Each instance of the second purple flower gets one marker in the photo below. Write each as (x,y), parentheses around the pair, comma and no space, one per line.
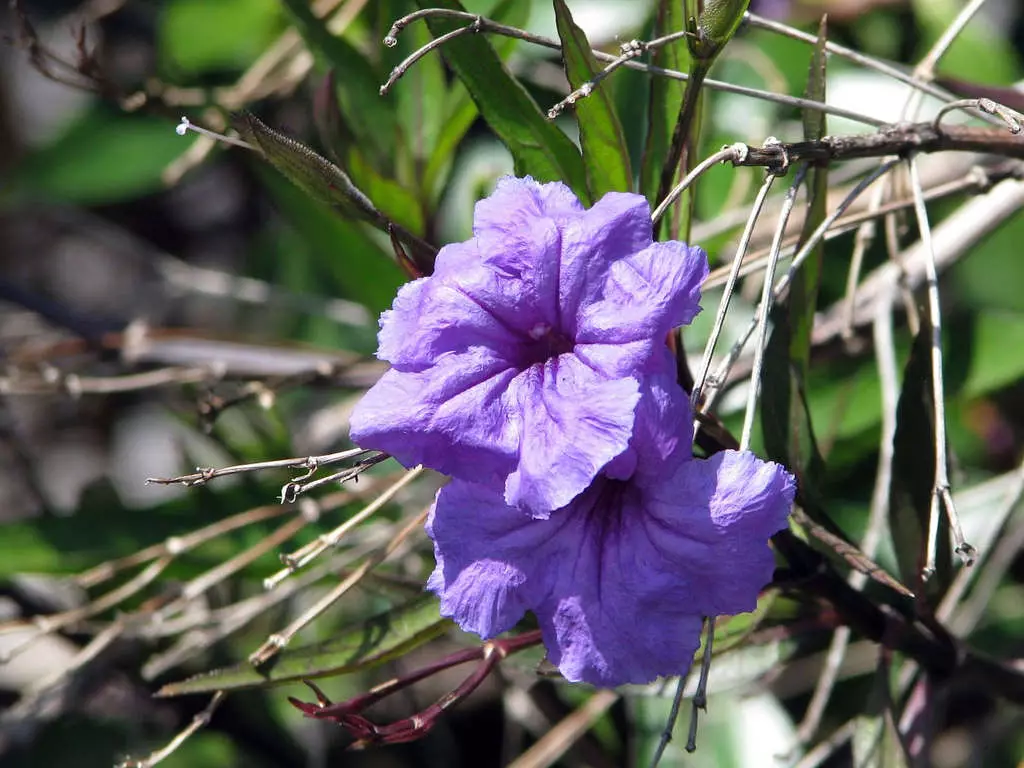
(518,364)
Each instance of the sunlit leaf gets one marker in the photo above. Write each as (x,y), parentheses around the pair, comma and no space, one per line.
(460,109)
(539,147)
(605,154)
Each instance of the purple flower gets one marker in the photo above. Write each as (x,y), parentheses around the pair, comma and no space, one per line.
(620,578)
(518,364)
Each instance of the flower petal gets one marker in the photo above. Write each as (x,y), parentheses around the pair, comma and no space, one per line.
(456,417)
(714,518)
(515,202)
(486,574)
(618,225)
(574,422)
(432,316)
(604,622)
(646,295)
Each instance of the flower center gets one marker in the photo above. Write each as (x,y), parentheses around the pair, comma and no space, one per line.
(545,343)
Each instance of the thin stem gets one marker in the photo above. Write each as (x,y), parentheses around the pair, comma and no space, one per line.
(203,475)
(954,237)
(556,741)
(900,140)
(199,721)
(723,155)
(766,307)
(700,696)
(730,285)
(306,554)
(783,284)
(862,241)
(670,724)
(629,51)
(1011,118)
(490,27)
(925,69)
(279,640)
(940,491)
(419,53)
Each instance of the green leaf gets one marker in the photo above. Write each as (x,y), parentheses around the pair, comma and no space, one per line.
(788,431)
(785,419)
(325,182)
(395,200)
(371,119)
(720,19)
(803,297)
(357,266)
(538,147)
(605,155)
(460,109)
(666,97)
(377,640)
(104,157)
(199,35)
(913,472)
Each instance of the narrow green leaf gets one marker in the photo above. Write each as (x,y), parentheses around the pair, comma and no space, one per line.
(785,419)
(666,97)
(914,473)
(460,109)
(370,643)
(372,119)
(395,200)
(322,180)
(789,435)
(803,297)
(605,154)
(538,147)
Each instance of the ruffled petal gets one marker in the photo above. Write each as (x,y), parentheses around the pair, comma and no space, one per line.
(618,225)
(662,430)
(432,316)
(574,422)
(714,518)
(604,619)
(646,295)
(491,559)
(516,202)
(456,417)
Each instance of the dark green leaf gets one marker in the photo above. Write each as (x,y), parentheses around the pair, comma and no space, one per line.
(357,266)
(788,432)
(666,97)
(803,296)
(372,642)
(538,147)
(605,154)
(914,472)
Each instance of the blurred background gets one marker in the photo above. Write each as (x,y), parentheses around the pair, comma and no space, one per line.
(166,303)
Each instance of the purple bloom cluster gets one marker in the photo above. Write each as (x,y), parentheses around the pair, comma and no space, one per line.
(532,368)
